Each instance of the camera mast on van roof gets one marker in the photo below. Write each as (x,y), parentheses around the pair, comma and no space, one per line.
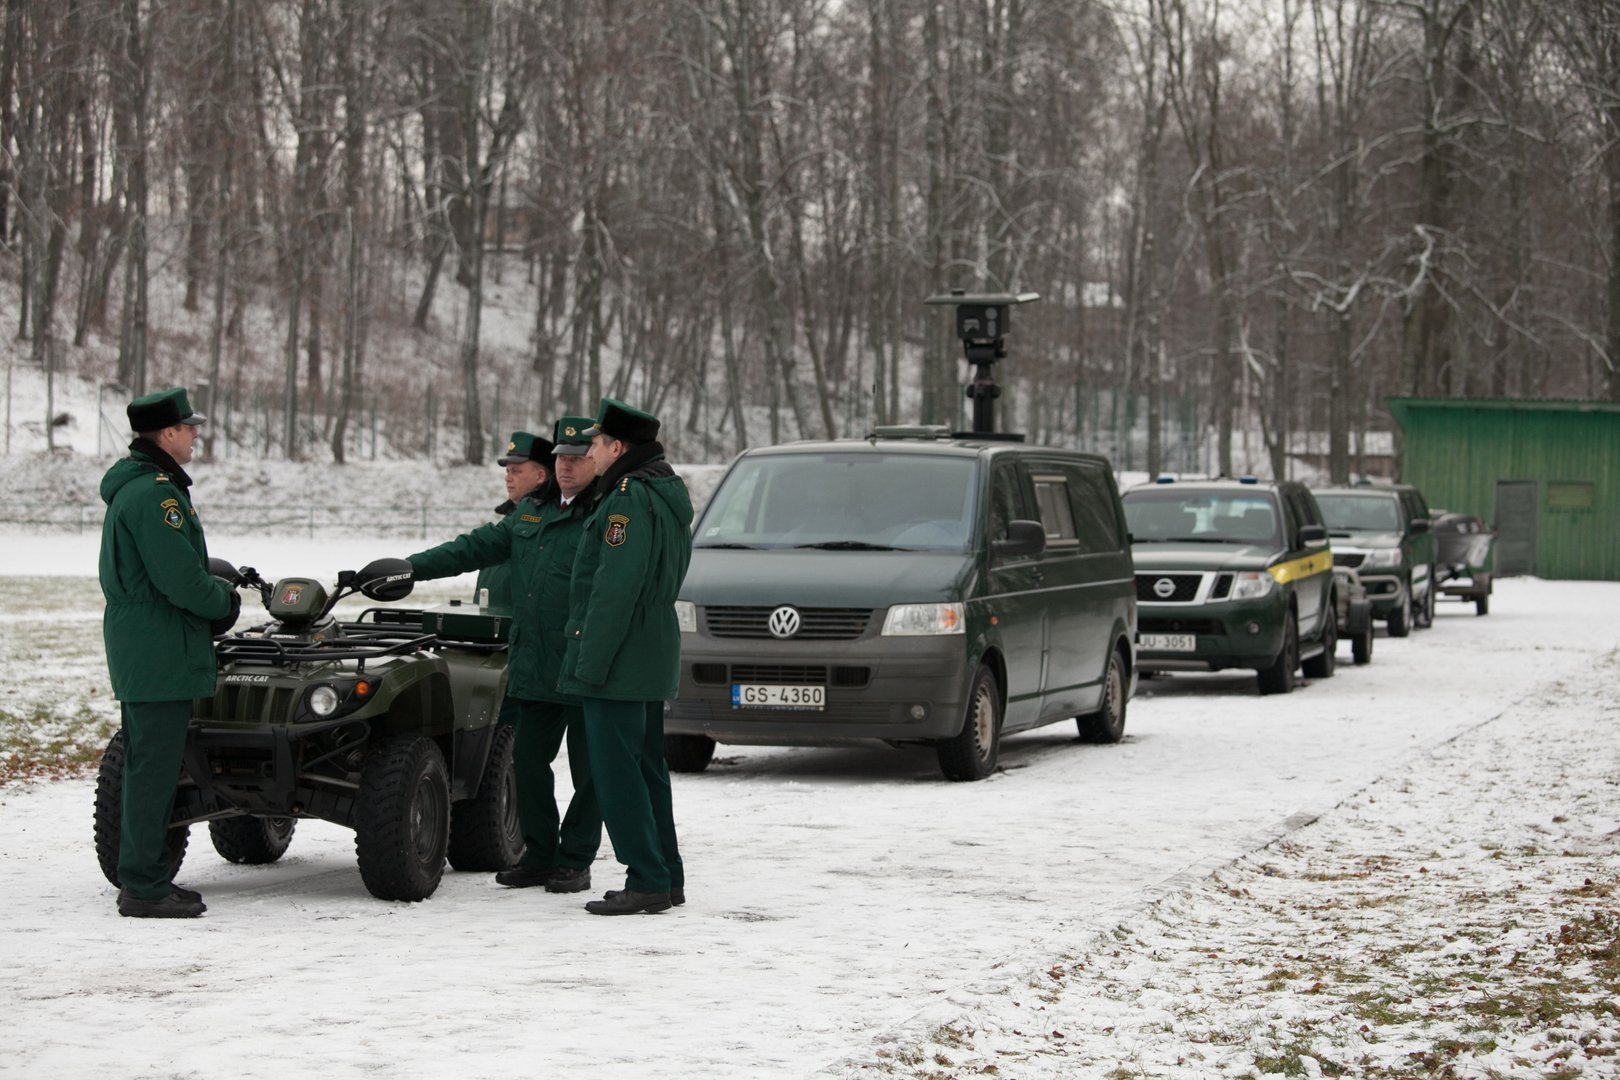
(982,324)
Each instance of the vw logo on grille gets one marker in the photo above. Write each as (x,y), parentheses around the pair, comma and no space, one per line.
(1164,588)
(784,622)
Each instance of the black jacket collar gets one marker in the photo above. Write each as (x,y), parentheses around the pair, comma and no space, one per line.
(637,459)
(150,450)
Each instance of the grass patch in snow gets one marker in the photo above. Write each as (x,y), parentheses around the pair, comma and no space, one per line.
(42,744)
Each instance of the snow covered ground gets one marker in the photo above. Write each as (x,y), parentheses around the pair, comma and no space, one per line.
(1385,873)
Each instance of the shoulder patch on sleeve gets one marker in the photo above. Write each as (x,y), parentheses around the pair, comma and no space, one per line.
(617,526)
(172,517)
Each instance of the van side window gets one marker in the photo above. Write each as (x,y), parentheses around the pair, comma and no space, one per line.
(1052,496)
(1096,525)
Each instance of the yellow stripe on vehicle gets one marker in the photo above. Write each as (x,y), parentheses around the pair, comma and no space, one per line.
(1309,566)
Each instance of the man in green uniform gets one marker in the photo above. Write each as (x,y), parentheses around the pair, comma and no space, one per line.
(527,462)
(537,540)
(162,608)
(624,650)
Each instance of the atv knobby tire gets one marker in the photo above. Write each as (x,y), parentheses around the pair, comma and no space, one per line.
(485,833)
(110,815)
(402,818)
(688,753)
(251,840)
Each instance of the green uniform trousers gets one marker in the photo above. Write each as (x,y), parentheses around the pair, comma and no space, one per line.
(154,746)
(632,781)
(541,726)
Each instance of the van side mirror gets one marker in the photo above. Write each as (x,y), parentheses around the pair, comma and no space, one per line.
(1311,534)
(1023,538)
(1421,525)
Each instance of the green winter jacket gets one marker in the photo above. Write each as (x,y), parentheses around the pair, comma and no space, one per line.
(497,579)
(623,641)
(154,575)
(537,541)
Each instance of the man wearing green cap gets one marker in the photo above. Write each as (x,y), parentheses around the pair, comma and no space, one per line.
(537,540)
(624,650)
(527,464)
(162,609)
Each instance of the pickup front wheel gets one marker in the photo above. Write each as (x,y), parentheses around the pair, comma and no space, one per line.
(1279,677)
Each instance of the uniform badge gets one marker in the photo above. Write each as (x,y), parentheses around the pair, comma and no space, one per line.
(529,519)
(510,447)
(617,525)
(570,432)
(172,518)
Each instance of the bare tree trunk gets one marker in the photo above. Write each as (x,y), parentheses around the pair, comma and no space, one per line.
(135,73)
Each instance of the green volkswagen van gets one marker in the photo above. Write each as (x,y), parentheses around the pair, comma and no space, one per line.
(915,588)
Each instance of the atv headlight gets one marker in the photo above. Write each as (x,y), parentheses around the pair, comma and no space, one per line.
(323,701)
(1383,557)
(916,620)
(686,616)
(1251,585)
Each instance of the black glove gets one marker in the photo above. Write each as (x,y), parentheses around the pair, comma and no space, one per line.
(223,624)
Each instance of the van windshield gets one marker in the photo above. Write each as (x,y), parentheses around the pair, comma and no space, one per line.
(1360,513)
(843,502)
(1159,516)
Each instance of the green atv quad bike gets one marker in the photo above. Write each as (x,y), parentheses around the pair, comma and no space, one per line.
(385,725)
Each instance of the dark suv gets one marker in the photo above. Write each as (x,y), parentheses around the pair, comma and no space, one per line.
(1383,533)
(914,588)
(1233,574)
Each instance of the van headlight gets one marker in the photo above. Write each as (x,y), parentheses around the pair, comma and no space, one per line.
(323,701)
(1251,585)
(917,620)
(686,616)
(1383,557)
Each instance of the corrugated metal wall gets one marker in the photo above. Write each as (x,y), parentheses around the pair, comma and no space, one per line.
(1456,451)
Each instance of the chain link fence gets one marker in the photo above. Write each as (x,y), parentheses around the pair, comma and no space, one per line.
(423,521)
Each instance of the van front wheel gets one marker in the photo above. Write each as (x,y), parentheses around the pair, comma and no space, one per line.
(971,753)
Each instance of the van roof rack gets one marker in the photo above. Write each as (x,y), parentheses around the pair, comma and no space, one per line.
(911,431)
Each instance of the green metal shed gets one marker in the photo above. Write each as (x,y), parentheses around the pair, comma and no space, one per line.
(1544,474)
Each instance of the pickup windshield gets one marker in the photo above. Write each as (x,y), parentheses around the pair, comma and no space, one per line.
(1360,513)
(1201,517)
(865,501)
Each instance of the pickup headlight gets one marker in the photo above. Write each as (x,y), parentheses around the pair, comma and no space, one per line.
(1251,585)
(1383,557)
(917,620)
(686,616)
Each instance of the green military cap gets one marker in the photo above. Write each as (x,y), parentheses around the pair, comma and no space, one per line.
(619,421)
(162,409)
(570,438)
(523,446)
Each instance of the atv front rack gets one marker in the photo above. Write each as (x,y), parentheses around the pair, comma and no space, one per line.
(359,641)
(377,633)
